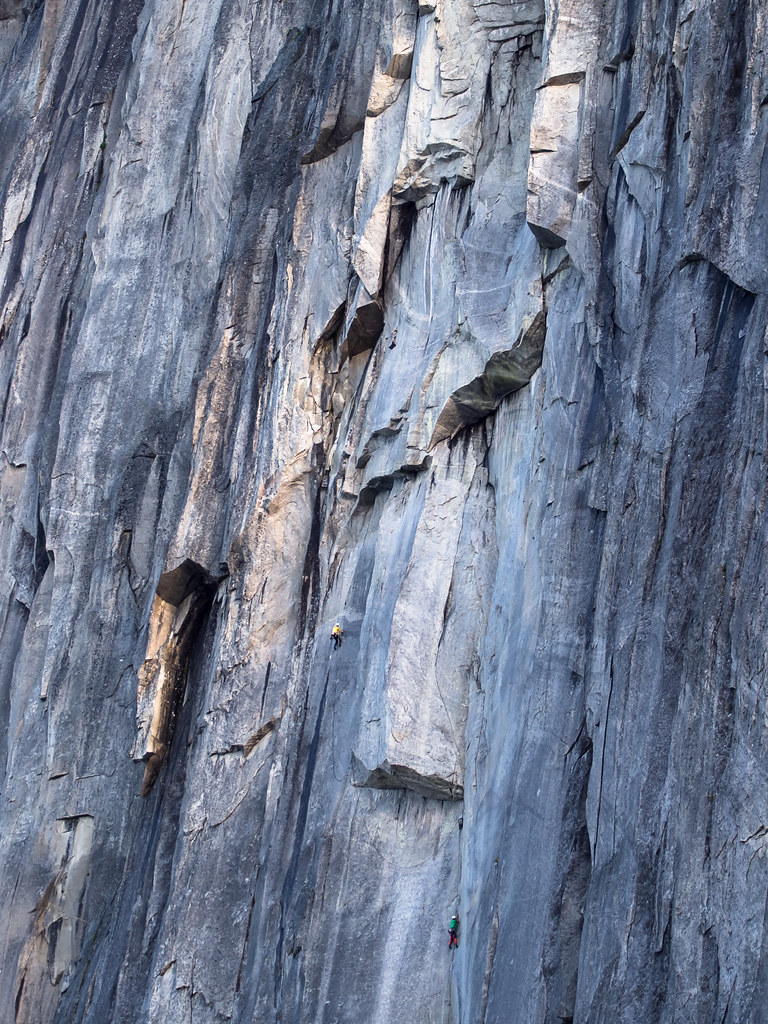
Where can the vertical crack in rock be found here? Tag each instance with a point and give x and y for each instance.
(574, 868)
(54, 945)
(179, 611)
(298, 838)
(490, 958)
(366, 314)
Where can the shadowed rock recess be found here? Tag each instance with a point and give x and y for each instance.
(445, 320)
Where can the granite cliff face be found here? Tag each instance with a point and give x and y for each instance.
(444, 320)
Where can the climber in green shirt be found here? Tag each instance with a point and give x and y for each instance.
(453, 931)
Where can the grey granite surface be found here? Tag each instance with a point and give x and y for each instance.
(445, 320)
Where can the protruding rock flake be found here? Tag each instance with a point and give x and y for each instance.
(442, 321)
(179, 611)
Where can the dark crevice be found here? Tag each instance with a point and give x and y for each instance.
(190, 590)
(175, 586)
(624, 137)
(245, 945)
(561, 956)
(298, 839)
(402, 219)
(401, 776)
(123, 946)
(364, 328)
(504, 373)
(266, 684)
(19, 994)
(310, 578)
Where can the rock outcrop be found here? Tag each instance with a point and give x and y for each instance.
(445, 320)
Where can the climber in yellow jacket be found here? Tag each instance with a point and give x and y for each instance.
(337, 634)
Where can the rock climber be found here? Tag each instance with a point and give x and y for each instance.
(337, 634)
(453, 931)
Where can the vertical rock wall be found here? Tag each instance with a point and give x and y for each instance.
(444, 320)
